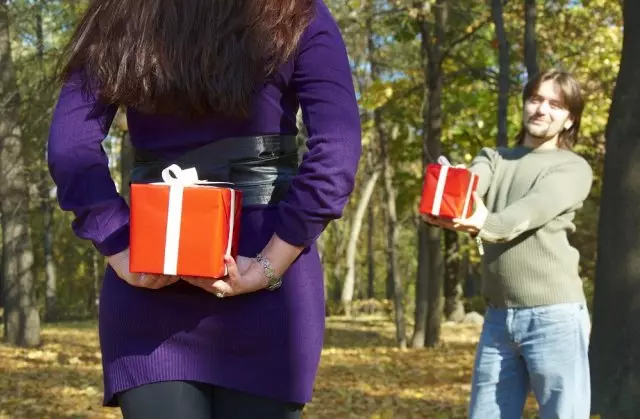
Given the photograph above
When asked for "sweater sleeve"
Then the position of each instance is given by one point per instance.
(324, 87)
(482, 165)
(79, 168)
(561, 188)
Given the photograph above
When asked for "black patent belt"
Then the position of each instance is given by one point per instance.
(262, 167)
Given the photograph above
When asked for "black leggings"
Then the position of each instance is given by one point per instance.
(189, 400)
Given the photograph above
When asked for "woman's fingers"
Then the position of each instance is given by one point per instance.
(154, 281)
(222, 288)
(232, 268)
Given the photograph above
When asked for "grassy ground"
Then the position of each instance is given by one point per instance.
(361, 375)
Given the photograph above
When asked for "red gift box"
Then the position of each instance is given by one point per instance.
(183, 226)
(447, 191)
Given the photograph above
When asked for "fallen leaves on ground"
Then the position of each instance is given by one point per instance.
(61, 379)
(362, 374)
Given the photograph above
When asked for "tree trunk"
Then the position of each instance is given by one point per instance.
(420, 315)
(435, 82)
(503, 72)
(350, 279)
(389, 285)
(530, 44)
(92, 295)
(393, 274)
(371, 264)
(97, 274)
(616, 337)
(50, 274)
(434, 288)
(21, 317)
(465, 273)
(320, 247)
(339, 241)
(126, 165)
(2, 256)
(51, 306)
(428, 312)
(453, 304)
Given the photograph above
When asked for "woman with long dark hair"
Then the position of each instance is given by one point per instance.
(212, 84)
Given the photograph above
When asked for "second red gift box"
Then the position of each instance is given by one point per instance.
(447, 191)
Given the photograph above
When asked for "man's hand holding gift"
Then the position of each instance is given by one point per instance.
(475, 222)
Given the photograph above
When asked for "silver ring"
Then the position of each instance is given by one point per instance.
(220, 294)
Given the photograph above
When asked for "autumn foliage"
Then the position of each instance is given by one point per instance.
(361, 374)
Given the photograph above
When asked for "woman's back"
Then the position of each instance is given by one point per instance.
(273, 111)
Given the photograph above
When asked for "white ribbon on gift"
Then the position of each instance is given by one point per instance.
(177, 179)
(442, 180)
(445, 166)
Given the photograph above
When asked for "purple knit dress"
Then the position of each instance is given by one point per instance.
(265, 343)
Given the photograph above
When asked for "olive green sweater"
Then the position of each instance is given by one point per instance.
(532, 196)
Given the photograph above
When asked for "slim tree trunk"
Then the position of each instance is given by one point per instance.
(420, 315)
(530, 44)
(8, 288)
(463, 273)
(389, 286)
(320, 246)
(435, 82)
(51, 306)
(3, 291)
(21, 319)
(453, 305)
(50, 273)
(352, 248)
(340, 246)
(615, 343)
(428, 311)
(393, 274)
(371, 264)
(503, 73)
(92, 295)
(383, 141)
(126, 165)
(434, 289)
(97, 275)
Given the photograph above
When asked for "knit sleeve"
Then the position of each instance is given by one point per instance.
(79, 168)
(323, 83)
(483, 165)
(563, 187)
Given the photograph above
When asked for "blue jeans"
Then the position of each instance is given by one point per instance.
(544, 349)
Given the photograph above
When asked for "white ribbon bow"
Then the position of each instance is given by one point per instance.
(443, 161)
(174, 175)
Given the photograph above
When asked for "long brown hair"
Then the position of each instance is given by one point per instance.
(185, 57)
(572, 98)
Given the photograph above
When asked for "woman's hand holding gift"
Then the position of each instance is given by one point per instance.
(120, 264)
